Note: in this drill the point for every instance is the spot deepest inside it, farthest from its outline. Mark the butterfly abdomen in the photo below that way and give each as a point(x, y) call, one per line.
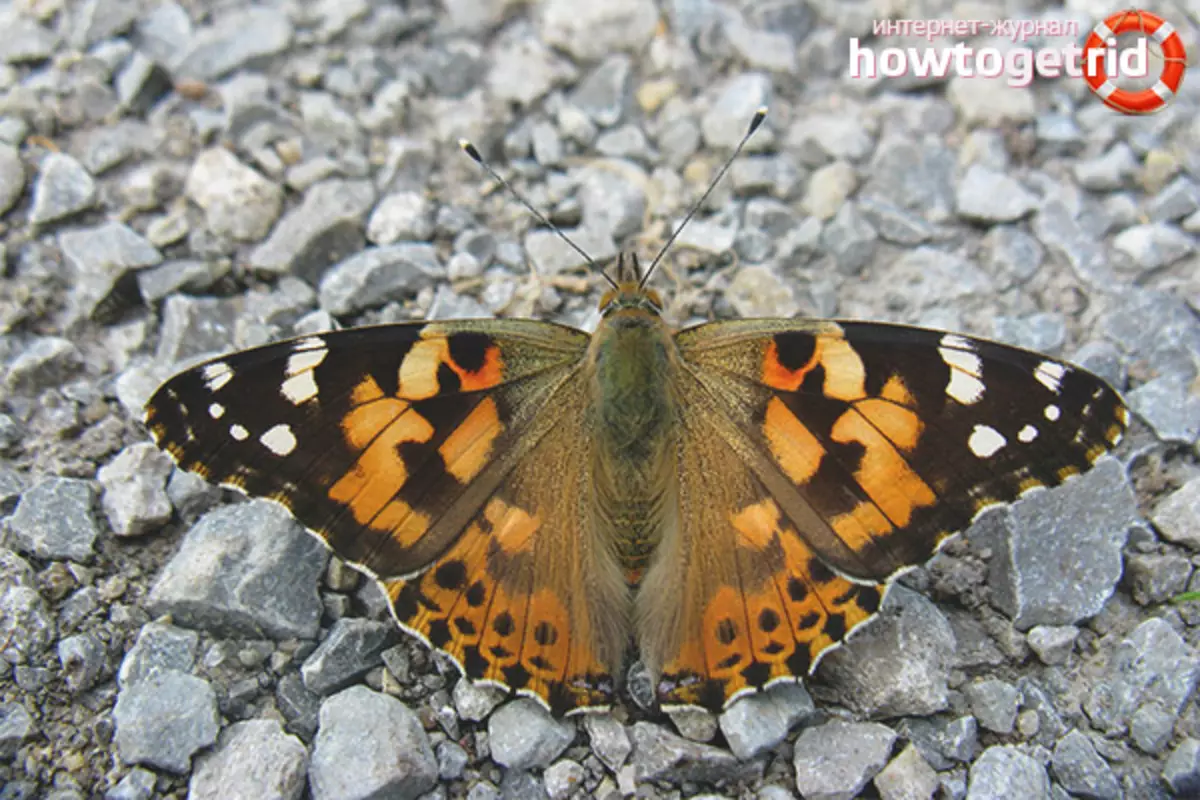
point(635, 424)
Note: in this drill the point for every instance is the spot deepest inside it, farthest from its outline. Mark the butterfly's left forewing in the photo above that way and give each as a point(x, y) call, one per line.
point(432, 456)
point(848, 452)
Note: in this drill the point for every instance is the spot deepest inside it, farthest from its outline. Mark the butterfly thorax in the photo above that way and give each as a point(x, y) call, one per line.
point(630, 358)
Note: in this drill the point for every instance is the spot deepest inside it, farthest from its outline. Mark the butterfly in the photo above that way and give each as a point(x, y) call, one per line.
point(728, 501)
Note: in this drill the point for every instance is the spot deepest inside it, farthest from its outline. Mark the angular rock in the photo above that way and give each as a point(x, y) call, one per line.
point(659, 755)
point(135, 489)
point(603, 93)
point(563, 778)
point(737, 99)
point(164, 720)
point(324, 229)
point(370, 745)
point(12, 178)
point(238, 202)
point(994, 703)
point(26, 625)
point(1052, 643)
point(908, 776)
point(1057, 553)
point(524, 736)
point(378, 276)
point(45, 362)
point(758, 722)
point(1181, 772)
point(24, 40)
point(1004, 773)
point(63, 188)
point(400, 216)
point(352, 648)
point(16, 726)
point(244, 570)
point(235, 39)
point(1169, 406)
point(871, 678)
point(138, 784)
point(837, 759)
point(1080, 770)
point(987, 195)
point(1155, 578)
point(82, 658)
point(54, 520)
point(612, 196)
point(255, 759)
point(594, 30)
point(104, 259)
point(608, 740)
point(1154, 245)
point(159, 647)
point(1177, 517)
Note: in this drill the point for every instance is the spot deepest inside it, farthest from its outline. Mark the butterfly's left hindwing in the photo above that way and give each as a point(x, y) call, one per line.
point(847, 453)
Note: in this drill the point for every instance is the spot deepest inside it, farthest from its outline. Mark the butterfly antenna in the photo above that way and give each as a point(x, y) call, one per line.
point(756, 121)
point(475, 155)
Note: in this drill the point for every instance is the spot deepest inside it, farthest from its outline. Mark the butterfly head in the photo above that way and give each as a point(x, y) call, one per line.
point(628, 290)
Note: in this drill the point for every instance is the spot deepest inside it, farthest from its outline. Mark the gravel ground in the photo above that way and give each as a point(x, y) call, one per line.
point(177, 180)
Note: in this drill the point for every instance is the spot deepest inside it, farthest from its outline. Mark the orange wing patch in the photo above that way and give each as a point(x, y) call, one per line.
point(788, 609)
point(473, 360)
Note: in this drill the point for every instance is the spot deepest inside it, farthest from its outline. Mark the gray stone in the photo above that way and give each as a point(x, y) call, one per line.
point(994, 704)
point(238, 202)
point(869, 677)
point(697, 724)
point(1177, 517)
point(135, 489)
point(235, 39)
point(352, 648)
point(46, 361)
point(1000, 104)
point(1109, 170)
point(324, 229)
point(164, 720)
point(452, 761)
point(12, 178)
point(1080, 770)
point(159, 647)
point(834, 761)
point(987, 195)
point(524, 736)
point(659, 755)
point(24, 40)
point(370, 745)
point(603, 93)
point(254, 758)
point(82, 658)
point(1154, 664)
point(16, 727)
point(472, 701)
point(917, 177)
point(762, 49)
point(737, 99)
point(895, 224)
point(1056, 227)
point(158, 283)
point(1151, 727)
point(1052, 643)
point(760, 291)
point(299, 706)
point(550, 255)
point(102, 259)
point(525, 71)
point(141, 83)
point(192, 327)
point(1057, 553)
point(612, 197)
point(1168, 405)
point(138, 784)
point(327, 124)
point(1013, 253)
point(404, 215)
point(563, 779)
point(757, 723)
point(1182, 770)
point(828, 189)
point(1042, 332)
point(26, 625)
point(908, 776)
point(608, 740)
point(1154, 245)
point(379, 275)
point(626, 142)
point(594, 30)
point(247, 569)
point(1102, 358)
point(1154, 578)
point(547, 144)
point(63, 188)
point(826, 135)
point(850, 239)
point(1002, 773)
point(1178, 199)
point(54, 520)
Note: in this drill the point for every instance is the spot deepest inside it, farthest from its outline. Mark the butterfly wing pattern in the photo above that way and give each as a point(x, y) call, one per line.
point(844, 453)
point(446, 460)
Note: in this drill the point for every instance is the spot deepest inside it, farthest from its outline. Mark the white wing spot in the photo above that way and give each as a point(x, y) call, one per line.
point(985, 441)
point(304, 360)
point(310, 343)
point(1052, 412)
point(299, 388)
point(956, 342)
point(279, 440)
point(216, 410)
point(1050, 375)
point(964, 385)
point(1027, 434)
point(216, 375)
point(239, 433)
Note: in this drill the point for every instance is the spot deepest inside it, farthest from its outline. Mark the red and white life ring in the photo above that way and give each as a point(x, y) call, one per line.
point(1145, 101)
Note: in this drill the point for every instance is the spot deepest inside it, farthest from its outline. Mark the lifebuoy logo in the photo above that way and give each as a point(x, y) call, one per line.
point(1102, 64)
point(1106, 63)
